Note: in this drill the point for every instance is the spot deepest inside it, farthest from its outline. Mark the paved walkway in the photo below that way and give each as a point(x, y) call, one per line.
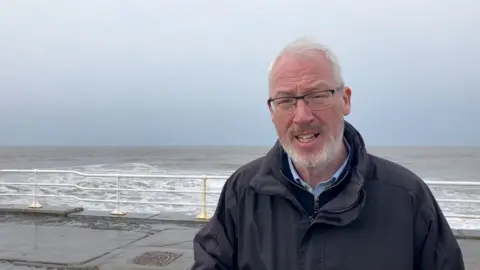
point(41, 241)
point(95, 248)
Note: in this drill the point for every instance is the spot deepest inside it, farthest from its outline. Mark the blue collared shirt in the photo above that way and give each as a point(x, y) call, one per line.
point(320, 187)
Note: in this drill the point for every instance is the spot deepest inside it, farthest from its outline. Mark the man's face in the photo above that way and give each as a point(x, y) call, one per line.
point(311, 134)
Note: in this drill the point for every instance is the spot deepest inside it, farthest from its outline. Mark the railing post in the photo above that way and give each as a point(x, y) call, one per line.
point(203, 214)
point(117, 211)
point(35, 203)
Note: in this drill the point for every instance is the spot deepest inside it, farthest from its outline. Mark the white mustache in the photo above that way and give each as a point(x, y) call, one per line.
point(305, 128)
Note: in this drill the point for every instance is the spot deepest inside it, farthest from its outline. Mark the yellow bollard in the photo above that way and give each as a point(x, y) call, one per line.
point(203, 214)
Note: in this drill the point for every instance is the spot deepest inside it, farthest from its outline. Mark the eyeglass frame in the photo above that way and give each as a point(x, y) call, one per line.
point(302, 97)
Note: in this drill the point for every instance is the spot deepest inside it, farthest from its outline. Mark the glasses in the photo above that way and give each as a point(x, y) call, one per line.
point(317, 100)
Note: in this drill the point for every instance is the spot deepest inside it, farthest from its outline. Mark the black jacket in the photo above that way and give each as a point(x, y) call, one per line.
point(378, 216)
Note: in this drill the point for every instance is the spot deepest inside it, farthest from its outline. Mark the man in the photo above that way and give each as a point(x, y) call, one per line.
point(318, 200)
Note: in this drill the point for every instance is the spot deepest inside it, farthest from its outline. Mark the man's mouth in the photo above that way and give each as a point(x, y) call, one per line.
point(305, 138)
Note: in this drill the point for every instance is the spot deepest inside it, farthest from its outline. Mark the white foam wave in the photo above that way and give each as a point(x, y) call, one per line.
point(173, 197)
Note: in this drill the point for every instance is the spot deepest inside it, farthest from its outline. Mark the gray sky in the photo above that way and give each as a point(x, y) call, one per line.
point(195, 72)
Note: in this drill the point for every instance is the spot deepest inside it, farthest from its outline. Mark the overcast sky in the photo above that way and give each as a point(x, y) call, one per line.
point(195, 72)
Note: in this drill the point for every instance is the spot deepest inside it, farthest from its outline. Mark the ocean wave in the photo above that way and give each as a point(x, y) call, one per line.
point(173, 191)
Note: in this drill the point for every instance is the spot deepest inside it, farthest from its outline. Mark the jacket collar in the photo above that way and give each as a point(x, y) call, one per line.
point(346, 205)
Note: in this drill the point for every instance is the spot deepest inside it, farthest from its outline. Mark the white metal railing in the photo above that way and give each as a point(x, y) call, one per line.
point(203, 213)
point(118, 201)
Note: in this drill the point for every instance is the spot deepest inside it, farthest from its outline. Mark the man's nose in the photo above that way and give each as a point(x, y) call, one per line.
point(302, 112)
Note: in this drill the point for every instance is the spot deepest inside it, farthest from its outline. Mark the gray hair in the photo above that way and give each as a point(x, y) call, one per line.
point(305, 46)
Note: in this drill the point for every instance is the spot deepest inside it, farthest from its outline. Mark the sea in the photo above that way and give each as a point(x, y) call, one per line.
point(430, 163)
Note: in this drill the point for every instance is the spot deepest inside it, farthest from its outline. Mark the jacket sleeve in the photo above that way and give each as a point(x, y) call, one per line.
point(436, 247)
point(214, 245)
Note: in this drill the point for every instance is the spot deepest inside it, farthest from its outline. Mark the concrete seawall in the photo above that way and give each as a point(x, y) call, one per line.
point(71, 238)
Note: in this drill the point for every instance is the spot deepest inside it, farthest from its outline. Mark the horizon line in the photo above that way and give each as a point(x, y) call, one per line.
point(212, 145)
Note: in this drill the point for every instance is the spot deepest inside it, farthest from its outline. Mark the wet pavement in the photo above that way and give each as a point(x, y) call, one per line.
point(93, 241)
point(74, 247)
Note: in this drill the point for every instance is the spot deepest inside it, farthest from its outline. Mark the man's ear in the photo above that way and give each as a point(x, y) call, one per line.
point(346, 99)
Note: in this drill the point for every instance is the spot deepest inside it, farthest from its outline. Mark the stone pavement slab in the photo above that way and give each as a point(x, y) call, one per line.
point(471, 253)
point(168, 250)
point(59, 245)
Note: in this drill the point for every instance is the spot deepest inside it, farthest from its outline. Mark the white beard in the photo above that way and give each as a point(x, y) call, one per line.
point(319, 159)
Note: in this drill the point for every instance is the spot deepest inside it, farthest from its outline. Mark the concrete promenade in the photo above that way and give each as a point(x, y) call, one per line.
point(70, 238)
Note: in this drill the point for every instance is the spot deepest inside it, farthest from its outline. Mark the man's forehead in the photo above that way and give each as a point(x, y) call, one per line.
point(294, 73)
point(300, 87)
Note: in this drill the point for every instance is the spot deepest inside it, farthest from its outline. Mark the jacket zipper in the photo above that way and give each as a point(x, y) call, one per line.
point(311, 218)
point(346, 208)
point(296, 203)
point(315, 209)
point(316, 206)
point(315, 198)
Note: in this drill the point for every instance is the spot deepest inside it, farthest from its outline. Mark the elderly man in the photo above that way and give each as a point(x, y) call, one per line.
point(318, 199)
